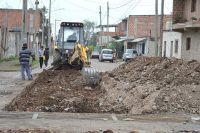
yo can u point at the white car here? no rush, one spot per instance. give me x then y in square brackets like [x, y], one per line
[129, 54]
[106, 55]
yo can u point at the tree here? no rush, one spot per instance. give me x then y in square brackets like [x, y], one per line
[89, 32]
[44, 11]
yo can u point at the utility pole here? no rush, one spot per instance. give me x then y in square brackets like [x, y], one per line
[100, 26]
[35, 46]
[161, 28]
[55, 30]
[156, 27]
[107, 22]
[24, 21]
[43, 22]
[49, 27]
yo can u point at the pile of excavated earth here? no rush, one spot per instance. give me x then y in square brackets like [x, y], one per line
[140, 86]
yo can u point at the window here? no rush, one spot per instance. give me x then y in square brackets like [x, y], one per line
[193, 6]
[165, 45]
[172, 48]
[176, 46]
[188, 43]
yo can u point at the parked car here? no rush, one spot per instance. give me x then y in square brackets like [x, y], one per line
[106, 55]
[95, 54]
[129, 54]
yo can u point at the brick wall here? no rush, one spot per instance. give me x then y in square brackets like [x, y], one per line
[187, 10]
[178, 10]
[122, 28]
[144, 25]
[182, 11]
[14, 17]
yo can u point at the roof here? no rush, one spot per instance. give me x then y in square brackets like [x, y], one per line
[138, 40]
[110, 25]
[121, 39]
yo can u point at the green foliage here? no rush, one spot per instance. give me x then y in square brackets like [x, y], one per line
[90, 49]
[90, 36]
[11, 58]
[35, 62]
[118, 47]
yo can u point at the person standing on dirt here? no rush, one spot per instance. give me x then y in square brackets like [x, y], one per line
[46, 55]
[24, 57]
[41, 55]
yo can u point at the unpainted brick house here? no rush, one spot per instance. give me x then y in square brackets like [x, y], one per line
[139, 31]
[184, 41]
[10, 31]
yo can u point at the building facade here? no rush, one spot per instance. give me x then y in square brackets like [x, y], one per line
[140, 32]
[186, 21]
[10, 31]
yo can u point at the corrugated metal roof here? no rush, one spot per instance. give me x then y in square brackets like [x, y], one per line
[138, 40]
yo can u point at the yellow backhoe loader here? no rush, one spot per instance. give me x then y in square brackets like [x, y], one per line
[71, 53]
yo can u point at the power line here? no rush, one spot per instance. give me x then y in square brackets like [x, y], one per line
[53, 2]
[122, 5]
[42, 2]
[82, 7]
[132, 6]
[19, 6]
[31, 3]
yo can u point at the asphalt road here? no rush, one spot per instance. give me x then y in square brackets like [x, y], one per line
[106, 65]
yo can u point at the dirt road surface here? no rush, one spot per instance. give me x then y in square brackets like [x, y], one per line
[11, 85]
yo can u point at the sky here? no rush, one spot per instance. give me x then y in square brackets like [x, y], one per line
[79, 10]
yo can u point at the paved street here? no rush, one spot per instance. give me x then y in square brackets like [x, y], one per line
[105, 66]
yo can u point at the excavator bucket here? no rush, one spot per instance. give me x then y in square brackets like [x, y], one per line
[91, 75]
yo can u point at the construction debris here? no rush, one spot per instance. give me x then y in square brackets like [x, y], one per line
[143, 85]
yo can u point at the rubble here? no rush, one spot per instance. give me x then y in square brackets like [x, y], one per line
[140, 86]
[153, 85]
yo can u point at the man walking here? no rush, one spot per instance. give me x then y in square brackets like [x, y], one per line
[24, 57]
[41, 56]
[46, 55]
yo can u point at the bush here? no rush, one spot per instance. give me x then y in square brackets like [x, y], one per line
[11, 58]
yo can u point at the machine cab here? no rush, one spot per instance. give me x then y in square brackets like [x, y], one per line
[69, 34]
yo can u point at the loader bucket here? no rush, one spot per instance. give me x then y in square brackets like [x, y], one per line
[91, 75]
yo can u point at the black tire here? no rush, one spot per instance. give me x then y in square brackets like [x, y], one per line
[111, 61]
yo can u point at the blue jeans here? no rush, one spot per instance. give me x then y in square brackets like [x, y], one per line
[25, 67]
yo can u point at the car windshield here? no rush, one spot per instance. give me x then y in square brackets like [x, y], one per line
[95, 52]
[107, 52]
[130, 51]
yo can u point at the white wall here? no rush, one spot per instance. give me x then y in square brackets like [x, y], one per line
[194, 52]
[170, 36]
[11, 45]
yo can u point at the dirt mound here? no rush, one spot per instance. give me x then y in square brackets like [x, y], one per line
[143, 85]
[153, 85]
[57, 91]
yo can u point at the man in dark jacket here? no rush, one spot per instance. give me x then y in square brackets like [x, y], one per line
[46, 55]
[24, 57]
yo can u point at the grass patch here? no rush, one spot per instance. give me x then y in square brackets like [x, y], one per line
[11, 58]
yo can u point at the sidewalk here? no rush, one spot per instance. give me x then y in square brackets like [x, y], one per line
[12, 66]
